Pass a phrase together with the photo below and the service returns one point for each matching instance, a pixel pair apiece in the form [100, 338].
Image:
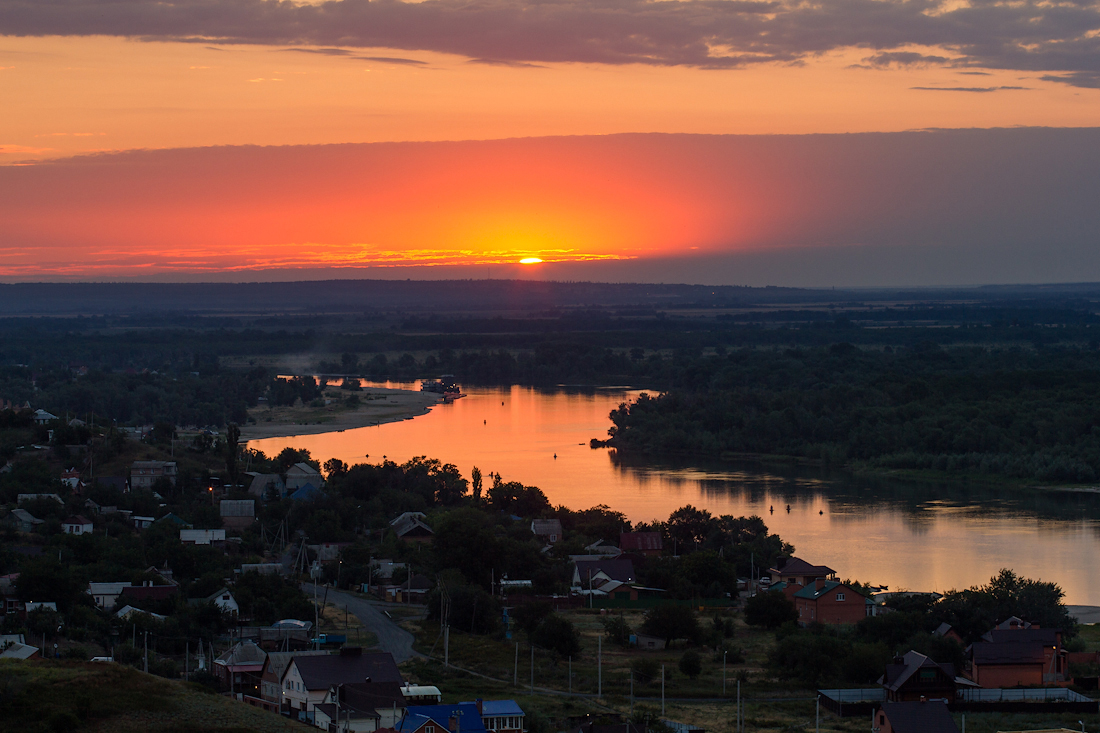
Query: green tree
[770, 609]
[232, 438]
[671, 621]
[691, 664]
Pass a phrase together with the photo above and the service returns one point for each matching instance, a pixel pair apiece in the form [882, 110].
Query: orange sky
[85, 77]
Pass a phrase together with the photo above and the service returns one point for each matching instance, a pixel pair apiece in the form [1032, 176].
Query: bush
[691, 665]
[770, 610]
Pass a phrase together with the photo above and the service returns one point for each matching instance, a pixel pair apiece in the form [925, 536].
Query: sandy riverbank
[378, 405]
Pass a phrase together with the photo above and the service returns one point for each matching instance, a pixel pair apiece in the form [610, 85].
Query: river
[906, 535]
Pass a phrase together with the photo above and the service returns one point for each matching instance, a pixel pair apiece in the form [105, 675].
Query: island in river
[338, 410]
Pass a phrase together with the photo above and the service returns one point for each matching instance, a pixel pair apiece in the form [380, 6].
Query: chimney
[479, 705]
[452, 723]
[819, 583]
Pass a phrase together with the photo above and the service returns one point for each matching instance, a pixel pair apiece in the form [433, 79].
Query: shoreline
[380, 405]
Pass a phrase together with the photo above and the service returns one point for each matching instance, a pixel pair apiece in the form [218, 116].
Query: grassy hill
[64, 696]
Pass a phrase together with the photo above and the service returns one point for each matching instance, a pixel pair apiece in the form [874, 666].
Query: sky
[842, 142]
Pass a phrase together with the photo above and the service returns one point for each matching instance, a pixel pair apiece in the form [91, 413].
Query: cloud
[978, 90]
[393, 60]
[8, 149]
[1023, 35]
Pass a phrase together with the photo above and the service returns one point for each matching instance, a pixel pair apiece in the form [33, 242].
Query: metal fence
[1050, 694]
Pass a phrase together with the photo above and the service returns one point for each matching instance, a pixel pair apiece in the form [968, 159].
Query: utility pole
[570, 675]
[817, 716]
[515, 671]
[632, 693]
[147, 651]
[662, 689]
[738, 706]
[532, 668]
[724, 675]
[599, 666]
[186, 660]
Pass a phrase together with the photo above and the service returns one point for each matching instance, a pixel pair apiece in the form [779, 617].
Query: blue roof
[498, 707]
[306, 493]
[417, 715]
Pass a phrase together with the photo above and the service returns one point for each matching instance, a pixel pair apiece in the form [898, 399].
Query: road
[391, 637]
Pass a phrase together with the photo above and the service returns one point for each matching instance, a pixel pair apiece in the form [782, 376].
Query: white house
[301, 474]
[224, 600]
[143, 474]
[41, 417]
[201, 536]
[106, 594]
[78, 524]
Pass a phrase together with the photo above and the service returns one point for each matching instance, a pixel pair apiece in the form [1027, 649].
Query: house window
[840, 596]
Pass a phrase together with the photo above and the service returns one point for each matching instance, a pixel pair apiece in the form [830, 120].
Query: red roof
[78, 519]
[149, 592]
[640, 541]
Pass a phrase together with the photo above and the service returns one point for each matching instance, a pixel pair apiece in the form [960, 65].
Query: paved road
[391, 637]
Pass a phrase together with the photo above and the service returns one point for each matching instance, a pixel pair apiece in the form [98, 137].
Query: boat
[445, 385]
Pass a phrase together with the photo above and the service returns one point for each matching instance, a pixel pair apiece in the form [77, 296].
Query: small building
[148, 593]
[421, 694]
[201, 536]
[795, 571]
[23, 521]
[41, 417]
[413, 590]
[410, 526]
[301, 474]
[830, 602]
[237, 513]
[271, 675]
[377, 705]
[645, 641]
[77, 524]
[127, 611]
[641, 543]
[142, 522]
[266, 486]
[589, 574]
[143, 474]
[106, 595]
[223, 599]
[239, 669]
[547, 530]
[20, 651]
[930, 716]
[915, 677]
[947, 631]
[71, 478]
[501, 716]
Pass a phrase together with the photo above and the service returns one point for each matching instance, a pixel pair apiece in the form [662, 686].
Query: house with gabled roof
[410, 526]
[271, 675]
[929, 716]
[914, 676]
[830, 602]
[547, 530]
[308, 679]
[463, 716]
[1018, 655]
[592, 573]
[795, 571]
[642, 543]
[367, 706]
[77, 524]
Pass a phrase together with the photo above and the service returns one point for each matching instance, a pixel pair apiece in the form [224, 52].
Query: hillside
[64, 696]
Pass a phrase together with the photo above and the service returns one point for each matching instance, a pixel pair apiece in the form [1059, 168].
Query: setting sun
[530, 261]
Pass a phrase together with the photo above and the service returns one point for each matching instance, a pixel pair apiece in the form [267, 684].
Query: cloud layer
[1058, 37]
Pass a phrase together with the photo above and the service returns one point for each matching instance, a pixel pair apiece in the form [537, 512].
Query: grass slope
[45, 695]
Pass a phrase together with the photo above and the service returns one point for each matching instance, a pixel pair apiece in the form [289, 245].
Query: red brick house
[1018, 657]
[931, 716]
[830, 602]
[795, 571]
[915, 677]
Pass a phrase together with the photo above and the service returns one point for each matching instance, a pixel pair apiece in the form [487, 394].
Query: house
[598, 550]
[127, 611]
[41, 417]
[501, 716]
[147, 593]
[591, 574]
[20, 651]
[410, 526]
[413, 590]
[22, 520]
[929, 716]
[201, 536]
[19, 499]
[547, 530]
[302, 474]
[271, 675]
[265, 486]
[1018, 656]
[239, 668]
[795, 571]
[142, 522]
[830, 602]
[173, 519]
[237, 514]
[308, 679]
[106, 595]
[914, 677]
[422, 694]
[143, 474]
[367, 706]
[464, 716]
[947, 631]
[223, 599]
[71, 478]
[641, 543]
[77, 524]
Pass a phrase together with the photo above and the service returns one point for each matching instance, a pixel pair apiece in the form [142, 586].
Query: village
[378, 644]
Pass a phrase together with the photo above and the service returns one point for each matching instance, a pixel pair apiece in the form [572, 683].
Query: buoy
[555, 456]
[821, 511]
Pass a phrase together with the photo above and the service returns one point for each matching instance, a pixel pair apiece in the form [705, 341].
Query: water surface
[902, 534]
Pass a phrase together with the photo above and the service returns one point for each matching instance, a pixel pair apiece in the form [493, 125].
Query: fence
[863, 701]
[652, 602]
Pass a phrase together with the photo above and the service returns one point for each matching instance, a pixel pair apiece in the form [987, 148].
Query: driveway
[391, 637]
